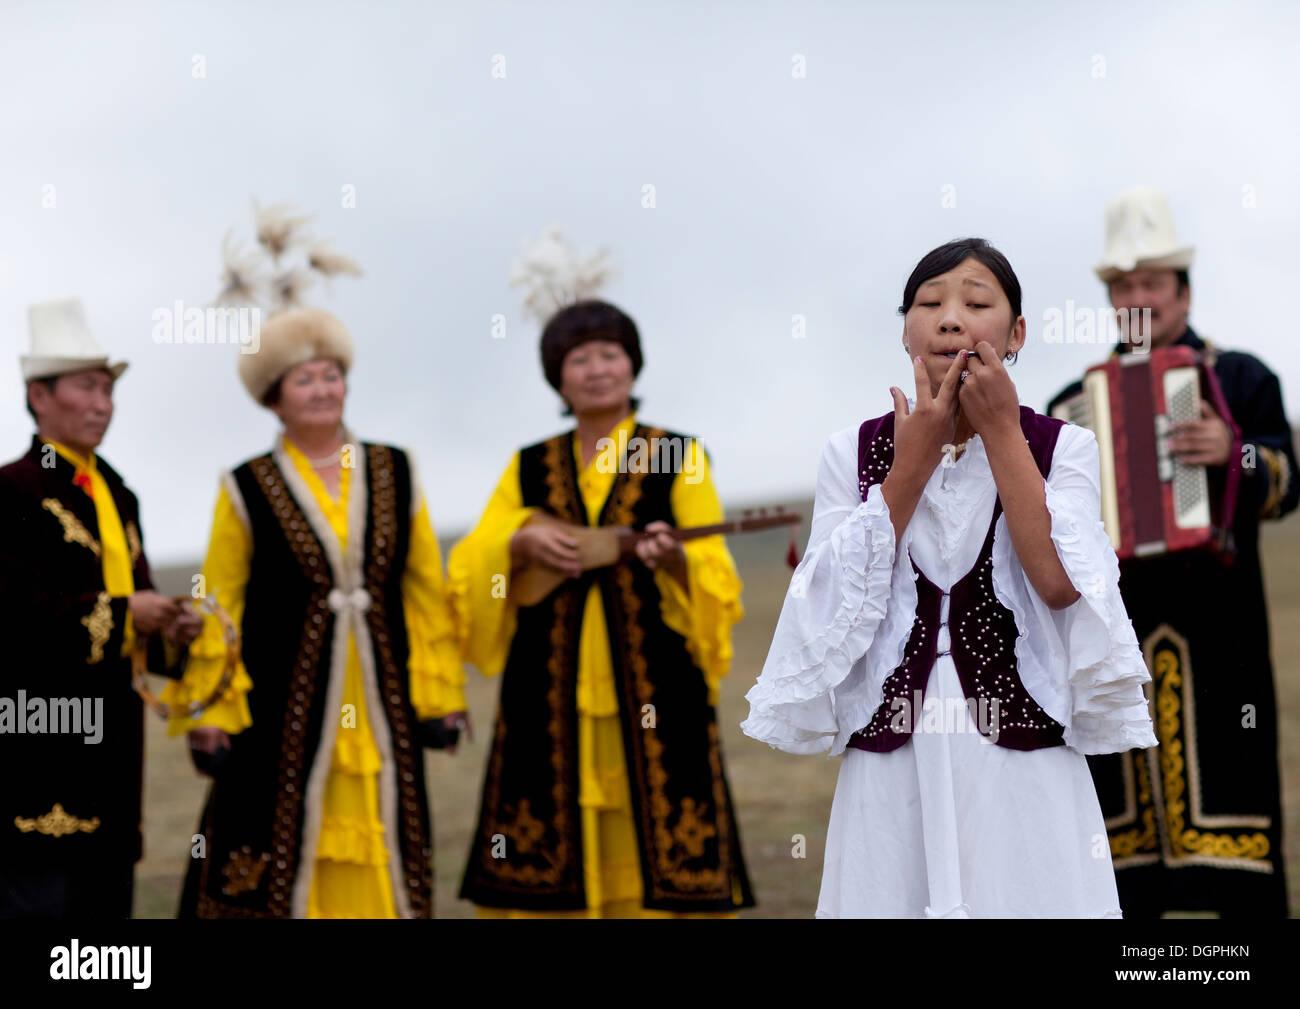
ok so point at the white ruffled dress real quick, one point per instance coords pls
(949, 825)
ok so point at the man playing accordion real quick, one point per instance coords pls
(1196, 823)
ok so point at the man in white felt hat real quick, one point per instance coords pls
(75, 594)
(1196, 823)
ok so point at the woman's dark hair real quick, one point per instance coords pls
(952, 255)
(273, 393)
(579, 323)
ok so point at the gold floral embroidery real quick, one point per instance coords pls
(243, 871)
(526, 829)
(673, 834)
(1176, 758)
(133, 541)
(73, 530)
(672, 846)
(100, 626)
(550, 876)
(1279, 478)
(667, 866)
(58, 822)
(691, 832)
(560, 496)
(308, 552)
(381, 562)
(1128, 846)
(521, 826)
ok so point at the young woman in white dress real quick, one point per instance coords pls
(955, 630)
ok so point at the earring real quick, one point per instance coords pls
(1011, 358)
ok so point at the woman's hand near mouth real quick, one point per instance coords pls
(988, 397)
(919, 436)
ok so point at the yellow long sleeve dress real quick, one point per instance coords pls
(351, 877)
(703, 614)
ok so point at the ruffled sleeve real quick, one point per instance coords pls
(478, 576)
(705, 610)
(225, 575)
(437, 677)
(1082, 664)
(845, 621)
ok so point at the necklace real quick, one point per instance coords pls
(328, 461)
(950, 454)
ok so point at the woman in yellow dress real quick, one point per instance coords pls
(605, 794)
(323, 552)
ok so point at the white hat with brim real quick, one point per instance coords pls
(1140, 235)
(62, 343)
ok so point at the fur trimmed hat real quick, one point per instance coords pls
(291, 338)
(580, 323)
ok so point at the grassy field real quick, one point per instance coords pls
(777, 795)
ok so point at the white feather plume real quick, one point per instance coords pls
(242, 276)
(554, 276)
(266, 275)
(322, 258)
(278, 227)
(289, 287)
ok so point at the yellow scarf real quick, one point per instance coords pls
(118, 577)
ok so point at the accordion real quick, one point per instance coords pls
(1150, 502)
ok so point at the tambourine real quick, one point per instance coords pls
(139, 664)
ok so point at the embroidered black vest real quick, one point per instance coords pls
(260, 806)
(527, 851)
(982, 631)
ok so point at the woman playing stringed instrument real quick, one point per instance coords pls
(605, 794)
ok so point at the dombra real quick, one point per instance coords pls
(603, 546)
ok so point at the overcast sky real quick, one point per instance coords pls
(776, 194)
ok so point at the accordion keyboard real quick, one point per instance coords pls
(1191, 496)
